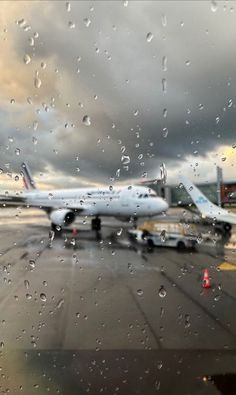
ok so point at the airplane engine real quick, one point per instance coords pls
(62, 217)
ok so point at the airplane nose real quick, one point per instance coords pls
(165, 205)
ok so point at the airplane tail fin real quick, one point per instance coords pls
(204, 205)
(27, 177)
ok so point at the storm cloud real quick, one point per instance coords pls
(156, 80)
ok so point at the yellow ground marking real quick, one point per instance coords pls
(227, 266)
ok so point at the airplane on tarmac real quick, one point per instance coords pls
(62, 206)
(223, 219)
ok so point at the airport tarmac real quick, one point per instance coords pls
(97, 313)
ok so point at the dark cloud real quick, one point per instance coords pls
(110, 72)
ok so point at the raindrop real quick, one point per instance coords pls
(43, 297)
(217, 298)
(34, 140)
(149, 37)
(28, 296)
(27, 59)
(163, 236)
(37, 81)
(136, 112)
(125, 159)
(164, 85)
(200, 106)
(187, 321)
(17, 151)
(87, 22)
(35, 125)
(86, 120)
(214, 6)
(26, 284)
(162, 292)
(68, 6)
(32, 263)
(71, 25)
(159, 365)
(164, 20)
(140, 292)
(31, 41)
(217, 120)
(16, 178)
(165, 113)
(125, 3)
(165, 132)
(164, 63)
(118, 173)
(187, 62)
(230, 103)
(77, 315)
(163, 172)
(12, 101)
(60, 303)
(43, 65)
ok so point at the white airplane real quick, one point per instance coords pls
(220, 217)
(62, 206)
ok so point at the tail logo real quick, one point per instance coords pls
(201, 200)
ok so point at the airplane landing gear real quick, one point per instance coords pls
(96, 224)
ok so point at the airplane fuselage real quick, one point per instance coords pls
(111, 201)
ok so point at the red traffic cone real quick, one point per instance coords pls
(74, 231)
(206, 280)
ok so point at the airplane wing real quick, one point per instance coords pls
(205, 206)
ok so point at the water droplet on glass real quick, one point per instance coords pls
(17, 151)
(125, 3)
(162, 292)
(140, 292)
(86, 120)
(165, 132)
(31, 41)
(164, 63)
(214, 6)
(163, 172)
(87, 22)
(149, 37)
(37, 81)
(26, 284)
(71, 25)
(136, 112)
(43, 297)
(68, 6)
(187, 62)
(125, 159)
(60, 303)
(27, 59)
(32, 263)
(217, 298)
(164, 20)
(200, 106)
(28, 296)
(16, 178)
(165, 113)
(164, 85)
(187, 321)
(77, 315)
(163, 236)
(230, 103)
(12, 101)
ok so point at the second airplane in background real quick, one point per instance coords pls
(62, 206)
(222, 218)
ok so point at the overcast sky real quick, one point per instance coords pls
(153, 81)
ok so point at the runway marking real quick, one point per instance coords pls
(227, 266)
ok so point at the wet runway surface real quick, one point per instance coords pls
(97, 313)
